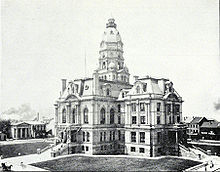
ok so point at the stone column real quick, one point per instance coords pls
(21, 133)
(56, 113)
(91, 119)
(17, 132)
(25, 132)
(138, 109)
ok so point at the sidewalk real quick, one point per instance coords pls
(12, 142)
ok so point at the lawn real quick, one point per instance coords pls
(23, 149)
(84, 163)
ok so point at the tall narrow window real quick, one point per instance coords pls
(112, 116)
(133, 107)
(74, 116)
(119, 135)
(158, 107)
(158, 137)
(107, 92)
(145, 87)
(134, 120)
(142, 137)
(138, 89)
(119, 108)
(84, 136)
(119, 119)
(142, 108)
(64, 116)
(102, 116)
(133, 136)
(104, 136)
(101, 137)
(88, 137)
(142, 119)
(86, 117)
(158, 119)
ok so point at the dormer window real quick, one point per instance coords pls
(145, 87)
(123, 95)
(107, 92)
(138, 89)
(103, 65)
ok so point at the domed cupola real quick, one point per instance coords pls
(111, 34)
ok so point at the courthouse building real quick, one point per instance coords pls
(28, 129)
(105, 114)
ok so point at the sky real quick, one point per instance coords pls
(44, 41)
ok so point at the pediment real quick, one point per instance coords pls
(171, 96)
(71, 97)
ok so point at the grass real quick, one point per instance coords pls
(23, 149)
(84, 163)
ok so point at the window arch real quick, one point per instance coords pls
(85, 115)
(64, 116)
(112, 116)
(74, 116)
(138, 89)
(102, 116)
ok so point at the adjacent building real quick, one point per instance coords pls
(193, 130)
(105, 114)
(210, 130)
(28, 129)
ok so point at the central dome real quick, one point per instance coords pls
(111, 34)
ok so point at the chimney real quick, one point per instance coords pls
(95, 83)
(136, 78)
(38, 116)
(63, 84)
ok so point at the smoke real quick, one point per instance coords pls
(24, 112)
(217, 105)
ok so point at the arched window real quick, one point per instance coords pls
(88, 137)
(103, 65)
(119, 108)
(64, 116)
(102, 116)
(74, 116)
(107, 92)
(138, 89)
(112, 116)
(105, 77)
(85, 115)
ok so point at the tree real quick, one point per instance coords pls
(5, 127)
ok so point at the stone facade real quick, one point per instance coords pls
(105, 114)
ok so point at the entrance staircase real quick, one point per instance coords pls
(191, 152)
(60, 149)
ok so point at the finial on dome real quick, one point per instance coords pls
(111, 23)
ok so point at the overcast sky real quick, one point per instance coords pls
(46, 40)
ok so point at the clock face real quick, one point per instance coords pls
(86, 87)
